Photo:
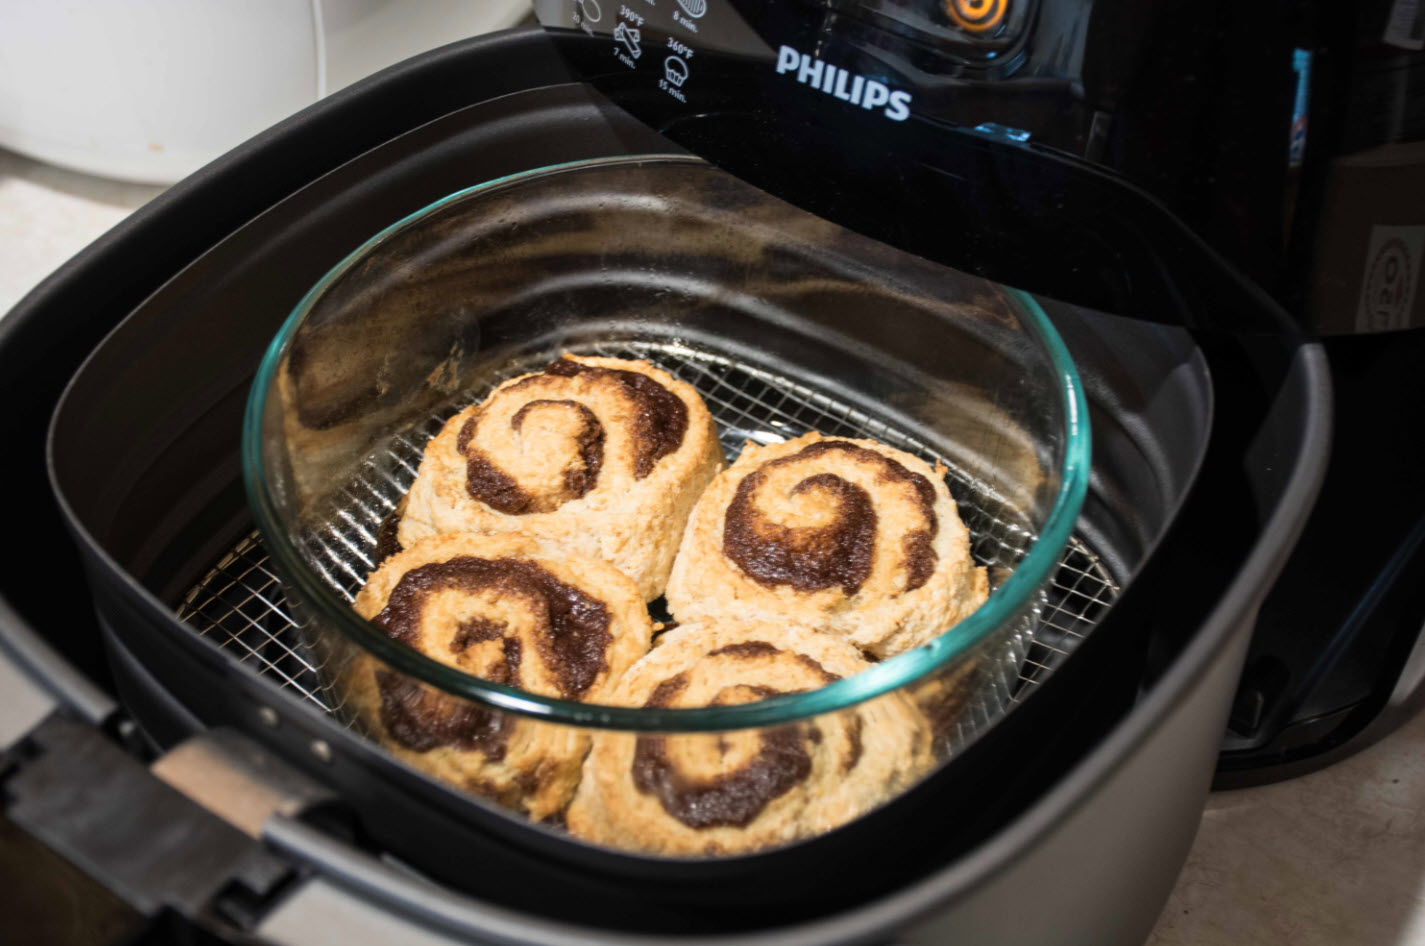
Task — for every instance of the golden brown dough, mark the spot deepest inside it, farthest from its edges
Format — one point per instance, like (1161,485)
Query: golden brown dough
(743,790)
(599,457)
(850,537)
(500,608)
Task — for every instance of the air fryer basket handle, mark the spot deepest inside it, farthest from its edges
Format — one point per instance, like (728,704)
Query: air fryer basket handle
(107,845)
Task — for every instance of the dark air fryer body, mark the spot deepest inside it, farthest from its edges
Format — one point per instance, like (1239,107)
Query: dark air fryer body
(1084,800)
(1140,158)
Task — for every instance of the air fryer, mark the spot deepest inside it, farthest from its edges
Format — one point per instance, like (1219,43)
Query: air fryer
(1188,109)
(160,696)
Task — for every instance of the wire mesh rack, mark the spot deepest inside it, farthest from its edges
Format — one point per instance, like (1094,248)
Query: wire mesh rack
(240,605)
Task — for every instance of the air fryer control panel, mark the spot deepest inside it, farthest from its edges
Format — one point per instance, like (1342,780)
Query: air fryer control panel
(994,136)
(959,61)
(907,120)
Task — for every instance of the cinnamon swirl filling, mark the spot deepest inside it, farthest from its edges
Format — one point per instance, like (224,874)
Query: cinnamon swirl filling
(567,434)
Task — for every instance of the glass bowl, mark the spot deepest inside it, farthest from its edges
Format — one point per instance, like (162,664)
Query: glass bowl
(785,323)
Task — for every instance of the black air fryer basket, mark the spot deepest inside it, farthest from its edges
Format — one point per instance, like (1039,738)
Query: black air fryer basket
(1207,451)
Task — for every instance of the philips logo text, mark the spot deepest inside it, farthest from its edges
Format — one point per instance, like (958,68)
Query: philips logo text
(833,80)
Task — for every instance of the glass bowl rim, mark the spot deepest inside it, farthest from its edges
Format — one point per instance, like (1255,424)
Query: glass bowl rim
(1003,604)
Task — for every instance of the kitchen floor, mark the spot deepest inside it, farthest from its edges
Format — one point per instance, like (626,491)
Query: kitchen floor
(1336,857)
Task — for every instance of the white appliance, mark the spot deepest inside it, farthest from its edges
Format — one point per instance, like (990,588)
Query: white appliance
(151,90)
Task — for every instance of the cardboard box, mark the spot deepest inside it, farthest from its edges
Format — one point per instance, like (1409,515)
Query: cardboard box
(1370,244)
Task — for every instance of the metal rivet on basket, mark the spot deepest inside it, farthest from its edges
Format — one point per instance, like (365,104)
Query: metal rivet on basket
(321,750)
(268,717)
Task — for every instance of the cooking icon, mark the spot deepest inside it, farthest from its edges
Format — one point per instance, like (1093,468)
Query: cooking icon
(694,9)
(630,37)
(592,12)
(675,70)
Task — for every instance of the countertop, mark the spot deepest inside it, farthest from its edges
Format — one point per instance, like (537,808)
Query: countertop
(1336,858)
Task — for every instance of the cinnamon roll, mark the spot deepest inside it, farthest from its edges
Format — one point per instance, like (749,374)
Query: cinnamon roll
(850,537)
(743,790)
(599,457)
(500,608)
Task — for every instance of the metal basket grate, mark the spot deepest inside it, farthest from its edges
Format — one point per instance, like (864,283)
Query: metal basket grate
(240,604)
